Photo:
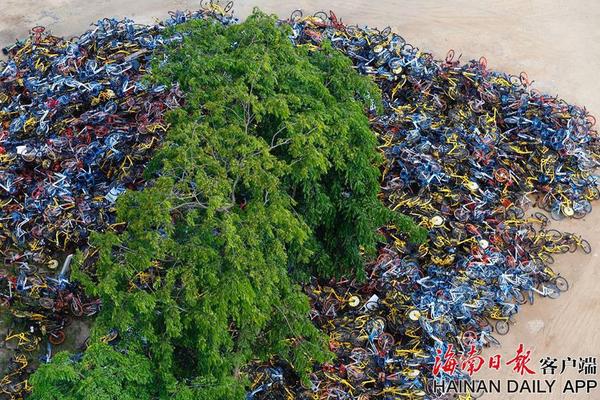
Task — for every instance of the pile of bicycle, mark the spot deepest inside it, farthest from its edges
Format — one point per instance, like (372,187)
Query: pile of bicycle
(78,124)
(467,152)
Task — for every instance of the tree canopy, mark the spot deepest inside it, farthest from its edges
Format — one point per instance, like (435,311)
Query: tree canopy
(310,109)
(102,374)
(269,172)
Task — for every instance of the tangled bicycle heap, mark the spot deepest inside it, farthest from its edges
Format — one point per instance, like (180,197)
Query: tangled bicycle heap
(77,127)
(467,151)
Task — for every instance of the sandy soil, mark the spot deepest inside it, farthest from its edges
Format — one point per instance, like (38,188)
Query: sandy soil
(557,43)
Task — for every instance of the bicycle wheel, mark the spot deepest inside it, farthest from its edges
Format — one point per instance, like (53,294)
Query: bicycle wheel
(515,212)
(296,14)
(14,388)
(519,296)
(583,208)
(460,154)
(76,308)
(502,327)
(462,214)
(481,322)
(395,63)
(46,302)
(322,15)
(91,309)
(29,269)
(542,218)
(562,248)
(557,214)
(579,214)
(469,337)
(359,354)
(385,342)
(30,346)
(28,301)
(554,235)
(592,193)
(351,30)
(28,157)
(56,337)
(551,291)
(573,245)
(561,284)
(546,258)
(493,340)
(586,247)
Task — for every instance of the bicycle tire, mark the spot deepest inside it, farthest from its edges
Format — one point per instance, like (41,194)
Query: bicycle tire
(545,203)
(28,301)
(296,14)
(519,212)
(554,235)
(493,340)
(46,302)
(541,217)
(322,15)
(469,337)
(554,293)
(76,308)
(460,154)
(519,297)
(557,214)
(462,214)
(30,269)
(481,322)
(359,354)
(531,234)
(385,341)
(586,247)
(593,193)
(579,214)
(14,388)
(502,327)
(561,284)
(394,62)
(573,245)
(546,258)
(352,29)
(30,346)
(56,337)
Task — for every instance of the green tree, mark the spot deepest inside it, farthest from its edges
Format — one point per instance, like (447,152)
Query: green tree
(102,374)
(269,168)
(310,107)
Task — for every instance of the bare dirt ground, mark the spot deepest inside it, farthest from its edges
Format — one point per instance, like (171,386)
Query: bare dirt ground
(557,43)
